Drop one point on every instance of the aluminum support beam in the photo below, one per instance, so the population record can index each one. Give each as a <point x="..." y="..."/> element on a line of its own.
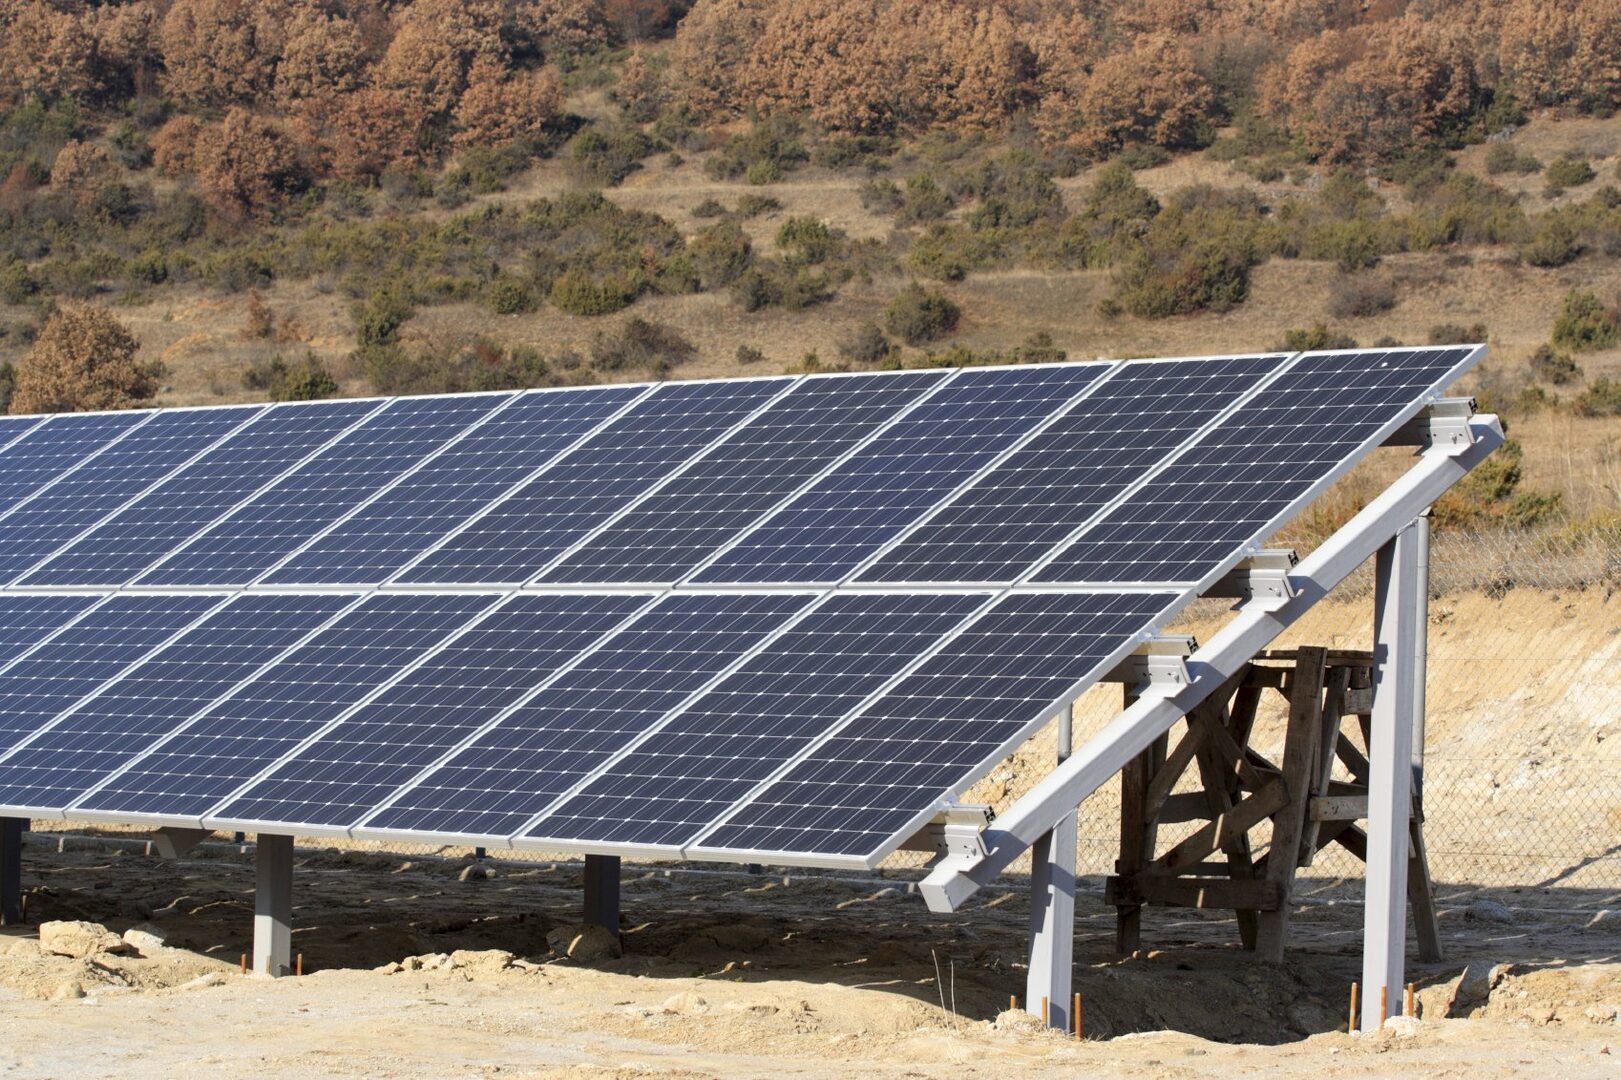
<point x="1421" y="653"/>
<point x="1052" y="909"/>
<point x="1256" y="625"/>
<point x="602" y="891"/>
<point x="273" y="906"/>
<point x="1396" y="606"/>
<point x="11" y="870"/>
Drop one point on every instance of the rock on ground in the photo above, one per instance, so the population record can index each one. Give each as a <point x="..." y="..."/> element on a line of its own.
<point x="586" y="942"/>
<point x="80" y="940"/>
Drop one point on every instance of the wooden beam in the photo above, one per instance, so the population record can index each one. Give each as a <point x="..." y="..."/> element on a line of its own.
<point x="1192" y="892"/>
<point x="1171" y="770"/>
<point x="1226" y="830"/>
<point x="1339" y="808"/>
<point x="1334" y="689"/>
<point x="1300" y="754"/>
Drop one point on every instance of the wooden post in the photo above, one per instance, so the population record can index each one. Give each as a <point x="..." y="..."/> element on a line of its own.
<point x="1288" y="825"/>
<point x="1076" y="1009"/>
<point x="1351" y="1024"/>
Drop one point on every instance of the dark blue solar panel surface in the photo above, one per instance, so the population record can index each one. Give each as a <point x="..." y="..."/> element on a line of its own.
<point x="25" y="621"/>
<point x="774" y="455"/>
<point x="712" y="754"/>
<point x="164" y="517"/>
<point x="308" y="689"/>
<point x="13" y="428"/>
<point x="508" y="775"/>
<point x="864" y="503"/>
<point x="1301" y="430"/>
<point x="928" y="734"/>
<point x="82" y="747"/>
<point x="587" y="487"/>
<point x="51" y="448"/>
<point x="100" y="645"/>
<point x="1038" y="497"/>
<point x="329" y="485"/>
<point x="340" y="777"/>
<point x="72" y="503"/>
<point x="387" y="534"/>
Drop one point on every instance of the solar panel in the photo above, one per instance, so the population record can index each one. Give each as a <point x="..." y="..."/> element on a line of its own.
<point x="103" y="642"/>
<point x="672" y="530"/>
<point x="154" y="524"/>
<point x="74" y="502"/>
<point x="83" y="746"/>
<point x="512" y="446"/>
<point x="691" y="769"/>
<point x="313" y="686"/>
<point x="49" y="449"/>
<point x="336" y="780"/>
<point x="504" y="777"/>
<point x="583" y="491"/>
<point x="897" y="649"/>
<point x="258" y="535"/>
<point x="1295" y="435"/>
<point x="1035" y="500"/>
<point x="961" y="711"/>
<point x="868" y="500"/>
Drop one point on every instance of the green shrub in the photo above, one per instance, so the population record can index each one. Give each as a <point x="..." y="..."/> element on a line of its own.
<point x="752" y="206"/>
<point x="1554" y="244"/>
<point x="1313" y="338"/>
<point x="807" y="241"/>
<point x="1358" y="297"/>
<point x="1503" y="158"/>
<point x="1209" y="276"/>
<point x="606" y="156"/>
<point x="748" y="354"/>
<point x="925" y="200"/>
<point x="760" y="173"/>
<point x="510" y="295"/>
<point x="1585" y="323"/>
<point x="1554" y="367"/>
<point x="17" y="285"/>
<point x="1454" y="334"/>
<point x="917" y="315"/>
<point x="641" y="344"/>
<point x="763" y="154"/>
<point x="1602" y="398"/>
<point x="880" y="196"/>
<point x="304" y="380"/>
<point x="578" y="293"/>
<point x="709" y="208"/>
<point x="1567" y="171"/>
<point x="720" y="254"/>
<point x="379" y="319"/>
<point x="865" y="345"/>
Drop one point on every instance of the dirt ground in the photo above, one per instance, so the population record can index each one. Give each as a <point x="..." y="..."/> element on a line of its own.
<point x="736" y="975"/>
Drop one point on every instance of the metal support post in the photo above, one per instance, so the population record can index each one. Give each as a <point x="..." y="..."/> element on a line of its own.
<point x="1421" y="652"/>
<point x="11" y="870"/>
<point x="602" y="891"/>
<point x="1390" y="789"/>
<point x="1048" y="982"/>
<point x="273" y="906"/>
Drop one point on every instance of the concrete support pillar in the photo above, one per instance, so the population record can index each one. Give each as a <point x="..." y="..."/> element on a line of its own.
<point x="1399" y="604"/>
<point x="273" y="906"/>
<point x="602" y="891"/>
<point x="11" y="870"/>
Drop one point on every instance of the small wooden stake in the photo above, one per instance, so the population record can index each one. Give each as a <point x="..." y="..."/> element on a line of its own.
<point x="1077" y="1016"/>
<point x="1384" y="1004"/>
<point x="244" y="963"/>
<point x="1408" y="1011"/>
<point x="1013" y="1002"/>
<point x="1352" y="1025"/>
<point x="1044" y="1014"/>
<point x="299" y="970"/>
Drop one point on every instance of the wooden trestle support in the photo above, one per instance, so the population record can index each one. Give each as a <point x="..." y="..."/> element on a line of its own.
<point x="1329" y="719"/>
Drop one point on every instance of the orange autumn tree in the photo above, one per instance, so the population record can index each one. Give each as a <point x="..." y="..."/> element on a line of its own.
<point x="83" y="359"/>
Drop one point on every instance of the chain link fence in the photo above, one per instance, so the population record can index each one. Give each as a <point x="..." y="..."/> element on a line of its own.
<point x="1522" y="780"/>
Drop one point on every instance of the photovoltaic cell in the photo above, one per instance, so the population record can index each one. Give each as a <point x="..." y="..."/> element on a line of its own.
<point x="53" y="447"/>
<point x="927" y="735"/>
<point x="387" y="534"/>
<point x="309" y="688"/>
<point x="536" y="753"/>
<point x="713" y="753"/>
<point x="72" y="503"/>
<point x="1034" y="500"/>
<point x="332" y="483"/>
<point x="1301" y="430"/>
<point x="340" y="777"/>
<point x="35" y="689"/>
<point x="599" y="478"/>
<point x="13" y="428"/>
<point x="163" y="518"/>
<point x="672" y="531"/>
<point x="87" y="744"/>
<point x="25" y="621"/>
<point x="852" y="512"/>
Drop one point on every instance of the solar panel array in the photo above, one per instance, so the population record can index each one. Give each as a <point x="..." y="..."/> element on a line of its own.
<point x="778" y="617"/>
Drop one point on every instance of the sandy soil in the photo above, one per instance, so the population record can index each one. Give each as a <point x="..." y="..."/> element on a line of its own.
<point x="732" y="975"/>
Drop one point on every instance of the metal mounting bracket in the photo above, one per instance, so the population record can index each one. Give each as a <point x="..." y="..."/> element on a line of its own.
<point x="1263" y="575"/>
<point x="1445" y="423"/>
<point x="1159" y="661"/>
<point x="954" y="833"/>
